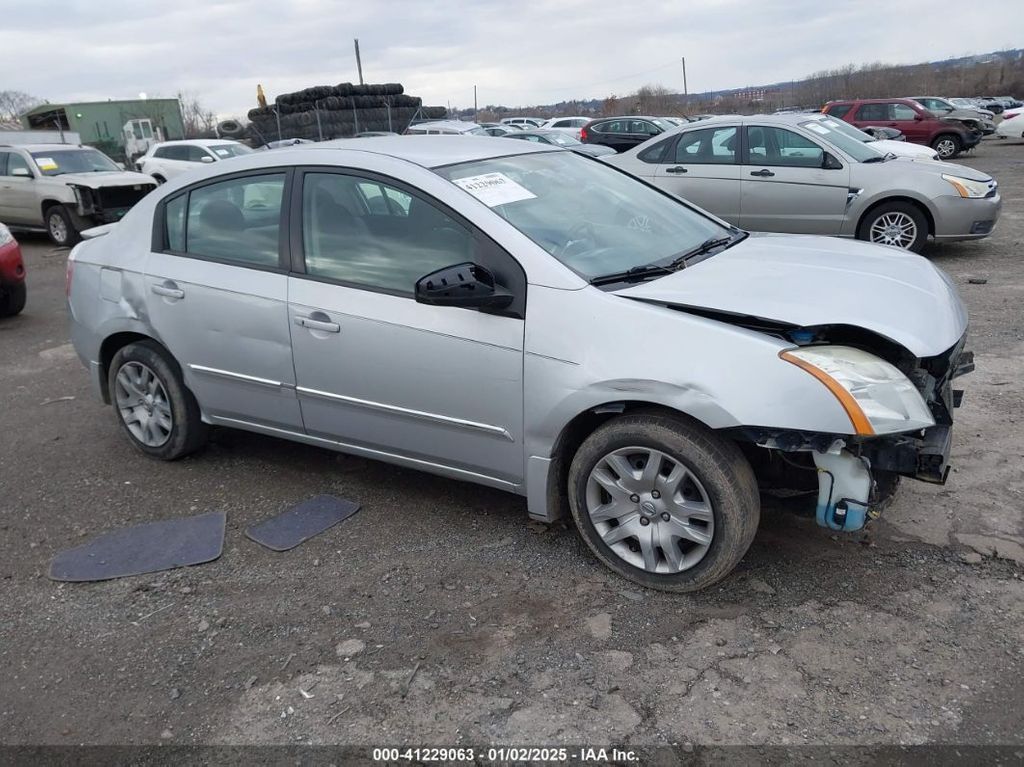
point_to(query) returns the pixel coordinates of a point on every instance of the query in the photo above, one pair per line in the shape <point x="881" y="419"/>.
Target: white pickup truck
<point x="64" y="189"/>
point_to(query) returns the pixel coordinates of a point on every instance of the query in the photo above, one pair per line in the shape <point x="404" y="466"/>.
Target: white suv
<point x="166" y="160"/>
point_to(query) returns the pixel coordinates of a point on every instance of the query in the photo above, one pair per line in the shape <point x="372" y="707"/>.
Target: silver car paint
<point x="801" y="200"/>
<point x="457" y="392"/>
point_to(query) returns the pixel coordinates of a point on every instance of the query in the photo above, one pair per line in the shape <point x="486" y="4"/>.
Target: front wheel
<point x="60" y="227"/>
<point x="897" y="224"/>
<point x="947" y="146"/>
<point x="154" y="409"/>
<point x="663" y="501"/>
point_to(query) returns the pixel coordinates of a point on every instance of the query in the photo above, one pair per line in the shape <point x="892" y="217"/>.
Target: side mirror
<point x="918" y="118"/>
<point x="468" y="285"/>
<point x="206" y="158"/>
<point x="830" y="162"/>
<point x="21" y="172"/>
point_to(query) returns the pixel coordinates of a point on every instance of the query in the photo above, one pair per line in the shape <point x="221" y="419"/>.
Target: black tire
<point x="895" y="207"/>
<point x="12" y="299"/>
<point x="718" y="464"/>
<point x="188" y="432"/>
<point x="70" y="234"/>
<point x="947" y="145"/>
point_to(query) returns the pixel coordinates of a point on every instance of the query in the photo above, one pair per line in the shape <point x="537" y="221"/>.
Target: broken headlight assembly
<point x="965" y="187"/>
<point x="876" y="396"/>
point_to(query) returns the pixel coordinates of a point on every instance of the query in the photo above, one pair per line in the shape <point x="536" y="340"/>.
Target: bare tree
<point x="199" y="121"/>
<point x="654" y="100"/>
<point x="14" y="103"/>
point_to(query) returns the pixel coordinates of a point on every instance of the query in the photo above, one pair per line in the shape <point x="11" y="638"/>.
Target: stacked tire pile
<point x="344" y="110"/>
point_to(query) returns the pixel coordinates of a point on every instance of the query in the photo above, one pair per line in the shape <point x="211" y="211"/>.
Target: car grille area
<point x="117" y="200"/>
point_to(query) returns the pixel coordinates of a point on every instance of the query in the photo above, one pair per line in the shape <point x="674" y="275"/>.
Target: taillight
<point x="583" y="134"/>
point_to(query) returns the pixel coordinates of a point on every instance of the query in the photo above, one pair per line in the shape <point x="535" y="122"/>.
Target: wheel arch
<point x="48" y="203"/>
<point x="555" y="505"/>
<point x="929" y="216"/>
<point x="113" y="343"/>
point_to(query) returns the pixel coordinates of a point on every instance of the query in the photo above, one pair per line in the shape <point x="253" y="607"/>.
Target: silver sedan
<point x="521" y="317"/>
<point x="795" y="173"/>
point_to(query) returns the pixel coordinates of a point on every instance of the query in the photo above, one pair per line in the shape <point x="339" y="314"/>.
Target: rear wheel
<point x="12" y="299"/>
<point x="158" y="414"/>
<point x="60" y="227"/>
<point x="897" y="224"/>
<point x="947" y="146"/>
<point x="663" y="502"/>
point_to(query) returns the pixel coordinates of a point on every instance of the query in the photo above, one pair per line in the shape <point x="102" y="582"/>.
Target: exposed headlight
<point x="967" y="188"/>
<point x="876" y="396"/>
<point x="5" y="236"/>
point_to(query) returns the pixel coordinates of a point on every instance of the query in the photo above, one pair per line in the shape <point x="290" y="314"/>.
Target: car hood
<point x="903" y="149"/>
<point x="100" y="180"/>
<point x="937" y="167"/>
<point x="805" y="281"/>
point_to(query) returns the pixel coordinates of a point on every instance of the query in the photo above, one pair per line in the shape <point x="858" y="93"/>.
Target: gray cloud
<point x="516" y="53"/>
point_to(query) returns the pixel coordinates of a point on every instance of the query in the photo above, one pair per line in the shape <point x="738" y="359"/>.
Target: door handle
<point x="763" y="173"/>
<point x="168" y="291"/>
<point x="676" y="169"/>
<point x="313" y="324"/>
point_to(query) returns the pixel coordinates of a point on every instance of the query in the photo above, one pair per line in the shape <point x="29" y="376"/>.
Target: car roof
<point x="198" y="142"/>
<point x="44" y="147"/>
<point x="427" y="151"/>
<point x="451" y="124"/>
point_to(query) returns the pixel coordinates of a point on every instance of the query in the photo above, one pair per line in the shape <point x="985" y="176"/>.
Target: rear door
<point x="703" y="168"/>
<point x="216" y="293"/>
<point x="784" y="187"/>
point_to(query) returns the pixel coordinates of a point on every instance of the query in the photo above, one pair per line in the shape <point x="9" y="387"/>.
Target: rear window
<point x="839" y="110"/>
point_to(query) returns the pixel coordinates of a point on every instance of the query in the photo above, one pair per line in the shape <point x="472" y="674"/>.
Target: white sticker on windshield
<point x="818" y="129"/>
<point x="223" y="152"/>
<point x="493" y="189"/>
<point x="46" y="163"/>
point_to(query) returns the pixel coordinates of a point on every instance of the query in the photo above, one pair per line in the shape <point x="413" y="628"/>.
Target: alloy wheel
<point x="58" y="228"/>
<point x="946" y="148"/>
<point x="143" y="404"/>
<point x="894" y="228"/>
<point x="650" y="510"/>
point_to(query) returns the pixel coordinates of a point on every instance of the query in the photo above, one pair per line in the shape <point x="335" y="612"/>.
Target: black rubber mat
<point x="146" y="548"/>
<point x="300" y="523"/>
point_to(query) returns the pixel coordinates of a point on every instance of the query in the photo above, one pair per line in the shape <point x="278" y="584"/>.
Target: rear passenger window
<point x="237" y="220"/>
<point x="174" y="216"/>
<point x="711" y="146"/>
<point x="368" y="233"/>
<point x="873" y="112"/>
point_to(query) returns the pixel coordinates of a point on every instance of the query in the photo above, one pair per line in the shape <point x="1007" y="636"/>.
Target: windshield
<point x="59" y="161"/>
<point x="594" y="219"/>
<point x="844" y="127"/>
<point x="853" y="146"/>
<point x="224" y="151"/>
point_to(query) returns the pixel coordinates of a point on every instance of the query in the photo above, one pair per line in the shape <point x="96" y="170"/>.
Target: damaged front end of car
<point x="901" y="410"/>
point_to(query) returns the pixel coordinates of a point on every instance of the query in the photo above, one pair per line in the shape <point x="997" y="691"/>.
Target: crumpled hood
<point x="805" y="280"/>
<point x="99" y="180"/>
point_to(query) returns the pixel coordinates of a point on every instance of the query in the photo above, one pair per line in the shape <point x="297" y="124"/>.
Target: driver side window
<point x="370" y="234"/>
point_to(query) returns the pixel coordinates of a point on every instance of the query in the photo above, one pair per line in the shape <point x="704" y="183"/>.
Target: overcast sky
<point x="518" y="52"/>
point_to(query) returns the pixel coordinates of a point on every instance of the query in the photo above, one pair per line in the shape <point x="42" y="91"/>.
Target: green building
<point x="102" y="123"/>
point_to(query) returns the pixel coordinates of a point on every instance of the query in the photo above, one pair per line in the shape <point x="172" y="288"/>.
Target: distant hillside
<point x="999" y="73"/>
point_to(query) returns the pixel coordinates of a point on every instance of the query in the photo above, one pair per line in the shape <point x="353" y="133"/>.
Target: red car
<point x="948" y="137"/>
<point x="12" y="275"/>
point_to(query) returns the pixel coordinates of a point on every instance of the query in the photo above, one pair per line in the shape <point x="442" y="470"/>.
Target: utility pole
<point x="686" y="92"/>
<point x="474" y="102"/>
<point x="359" y="62"/>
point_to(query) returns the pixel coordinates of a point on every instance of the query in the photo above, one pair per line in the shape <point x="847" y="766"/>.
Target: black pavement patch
<point x="300" y="523"/>
<point x="146" y="548"/>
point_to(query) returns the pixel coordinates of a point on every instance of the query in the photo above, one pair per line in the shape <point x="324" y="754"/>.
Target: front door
<point x="702" y="168"/>
<point x="437" y="387"/>
<point x="784" y="186"/>
<point x="217" y="299"/>
<point x="19" y="201"/>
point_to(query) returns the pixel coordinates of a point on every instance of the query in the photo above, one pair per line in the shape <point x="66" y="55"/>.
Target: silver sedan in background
<point x="798" y="174"/>
<point x="518" y="316"/>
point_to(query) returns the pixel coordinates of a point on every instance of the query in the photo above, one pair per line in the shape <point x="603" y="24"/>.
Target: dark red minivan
<point x="948" y="137"/>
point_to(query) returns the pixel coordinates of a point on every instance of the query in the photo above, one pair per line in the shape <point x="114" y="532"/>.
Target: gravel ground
<point x="439" y="615"/>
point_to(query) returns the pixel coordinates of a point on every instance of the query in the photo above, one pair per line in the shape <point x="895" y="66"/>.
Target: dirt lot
<point x="437" y="614"/>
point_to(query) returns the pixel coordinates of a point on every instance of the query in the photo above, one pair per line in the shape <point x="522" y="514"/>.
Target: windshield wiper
<point x="705" y="247"/>
<point x="633" y="274"/>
